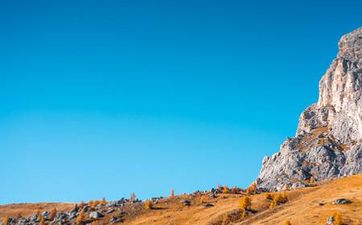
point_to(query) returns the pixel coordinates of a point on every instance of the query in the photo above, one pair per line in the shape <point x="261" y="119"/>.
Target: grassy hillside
<point x="304" y="206"/>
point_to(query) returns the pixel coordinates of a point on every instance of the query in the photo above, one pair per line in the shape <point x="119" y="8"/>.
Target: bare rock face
<point x="328" y="141"/>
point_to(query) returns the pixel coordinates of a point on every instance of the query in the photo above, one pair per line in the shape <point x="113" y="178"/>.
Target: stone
<point x="208" y="205"/>
<point x="330" y="220"/>
<point x="342" y="201"/>
<point x="95" y="215"/>
<point x="115" y="219"/>
<point x="328" y="141"/>
<point x="186" y="202"/>
<point x="45" y="214"/>
<point x="109" y="211"/>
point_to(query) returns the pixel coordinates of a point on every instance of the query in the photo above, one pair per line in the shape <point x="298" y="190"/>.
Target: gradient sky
<point x="105" y="98"/>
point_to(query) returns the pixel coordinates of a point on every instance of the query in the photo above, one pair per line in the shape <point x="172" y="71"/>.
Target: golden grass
<point x="305" y="206"/>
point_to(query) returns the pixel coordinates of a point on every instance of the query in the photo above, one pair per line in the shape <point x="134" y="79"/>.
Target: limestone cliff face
<point x="328" y="142"/>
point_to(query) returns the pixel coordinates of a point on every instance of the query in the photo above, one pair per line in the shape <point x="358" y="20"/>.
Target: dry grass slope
<point x="305" y="206"/>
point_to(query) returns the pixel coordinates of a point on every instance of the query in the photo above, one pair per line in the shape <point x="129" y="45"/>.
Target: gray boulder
<point x="95" y="215"/>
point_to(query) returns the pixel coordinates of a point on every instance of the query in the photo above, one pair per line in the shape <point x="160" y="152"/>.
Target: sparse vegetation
<point x="172" y="194"/>
<point x="6" y="220"/>
<point x="148" y="204"/>
<point x="52" y="214"/>
<point x="337" y="219"/>
<point x="226" y="219"/>
<point x="287" y="222"/>
<point x="42" y="220"/>
<point x="80" y="218"/>
<point x="251" y="189"/>
<point x="278" y="198"/>
<point x="104" y="201"/>
<point x="245" y="205"/>
<point x="312" y="180"/>
<point x="268" y="196"/>
<point x="225" y="190"/>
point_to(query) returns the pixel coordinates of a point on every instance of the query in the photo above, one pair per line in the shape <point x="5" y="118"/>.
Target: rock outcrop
<point x="328" y="142"/>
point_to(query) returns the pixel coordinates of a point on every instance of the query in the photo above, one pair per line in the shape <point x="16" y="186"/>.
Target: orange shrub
<point x="104" y="201"/>
<point x="225" y="190"/>
<point x="245" y="203"/>
<point x="337" y="219"/>
<point x="6" y="220"/>
<point x="42" y="220"/>
<point x="80" y="218"/>
<point x="279" y="198"/>
<point x="287" y="222"/>
<point x="53" y="214"/>
<point x="148" y="204"/>
<point x="251" y="189"/>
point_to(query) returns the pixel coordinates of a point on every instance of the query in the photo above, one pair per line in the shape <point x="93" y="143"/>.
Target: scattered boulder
<point x="45" y="214"/>
<point x="342" y="201"/>
<point x="95" y="215"/>
<point x="109" y="211"/>
<point x="330" y="220"/>
<point x="208" y="205"/>
<point x="186" y="202"/>
<point x="115" y="219"/>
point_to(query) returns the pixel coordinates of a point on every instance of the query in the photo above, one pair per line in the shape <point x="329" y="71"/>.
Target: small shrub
<point x="94" y="203"/>
<point x="337" y="219"/>
<point x="104" y="201"/>
<point x="6" y="220"/>
<point x="148" y="204"/>
<point x="251" y="189"/>
<point x="226" y="219"/>
<point x="245" y="203"/>
<point x="287" y="222"/>
<point x="80" y="218"/>
<point x="52" y="214"/>
<point x="81" y="205"/>
<point x="95" y="222"/>
<point x="226" y="190"/>
<point x="278" y="198"/>
<point x="172" y="193"/>
<point x="269" y="196"/>
<point x="235" y="190"/>
<point x="312" y="180"/>
<point x="42" y="220"/>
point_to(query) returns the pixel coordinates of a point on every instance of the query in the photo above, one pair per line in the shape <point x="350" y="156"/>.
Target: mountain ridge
<point x="328" y="141"/>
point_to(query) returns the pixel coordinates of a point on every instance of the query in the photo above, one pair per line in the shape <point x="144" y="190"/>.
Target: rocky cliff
<point x="328" y="142"/>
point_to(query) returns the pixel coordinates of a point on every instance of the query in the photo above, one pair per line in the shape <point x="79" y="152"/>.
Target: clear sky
<point x="105" y="98"/>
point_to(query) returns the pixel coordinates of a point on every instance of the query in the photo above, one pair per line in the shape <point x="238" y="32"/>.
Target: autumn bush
<point x="226" y="219"/>
<point x="225" y="190"/>
<point x="268" y="196"/>
<point x="104" y="201"/>
<point x="148" y="204"/>
<point x="278" y="198"/>
<point x="53" y="214"/>
<point x="42" y="220"/>
<point x="251" y="189"/>
<point x="245" y="205"/>
<point x="287" y="222"/>
<point x="80" y="218"/>
<point x="6" y="220"/>
<point x="337" y="219"/>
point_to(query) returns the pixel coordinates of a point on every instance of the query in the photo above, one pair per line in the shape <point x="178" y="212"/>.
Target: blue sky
<point x="105" y="98"/>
